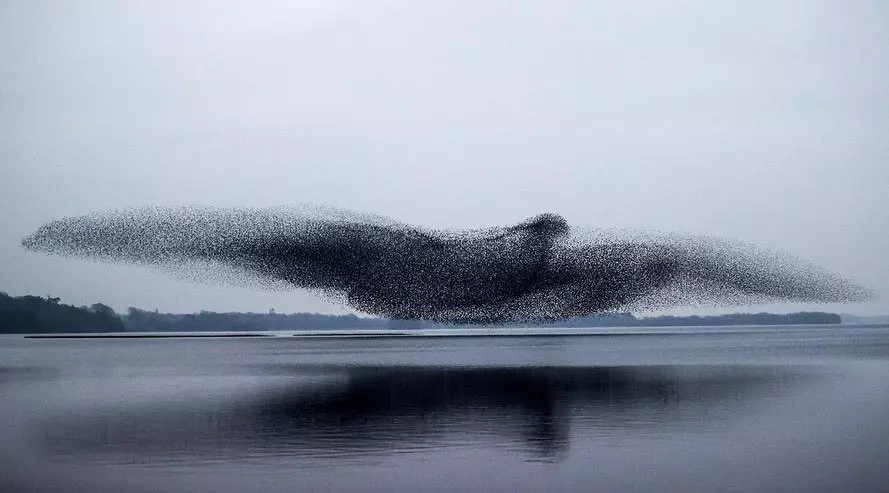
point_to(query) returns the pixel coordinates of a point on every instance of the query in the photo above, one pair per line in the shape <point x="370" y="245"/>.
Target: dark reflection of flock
<point x="375" y="411"/>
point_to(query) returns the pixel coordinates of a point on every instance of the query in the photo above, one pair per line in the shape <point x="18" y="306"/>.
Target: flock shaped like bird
<point x="539" y="270"/>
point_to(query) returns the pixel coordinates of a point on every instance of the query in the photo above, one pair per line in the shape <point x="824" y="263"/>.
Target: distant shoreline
<point x="48" y="316"/>
<point x="465" y="333"/>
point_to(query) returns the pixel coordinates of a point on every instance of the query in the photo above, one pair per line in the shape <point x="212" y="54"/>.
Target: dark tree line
<point x="799" y="318"/>
<point x="33" y="314"/>
<point x="630" y="320"/>
<point x="137" y="320"/>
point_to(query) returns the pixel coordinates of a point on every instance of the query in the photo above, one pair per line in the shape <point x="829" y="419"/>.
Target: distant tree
<point x="102" y="309"/>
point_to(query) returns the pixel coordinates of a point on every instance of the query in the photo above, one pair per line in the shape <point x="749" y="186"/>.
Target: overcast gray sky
<point x="765" y="121"/>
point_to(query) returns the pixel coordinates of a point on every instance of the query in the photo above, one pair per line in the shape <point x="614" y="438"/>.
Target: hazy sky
<point x="766" y="121"/>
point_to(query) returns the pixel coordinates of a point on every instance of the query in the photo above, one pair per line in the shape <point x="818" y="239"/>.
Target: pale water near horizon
<point x="772" y="409"/>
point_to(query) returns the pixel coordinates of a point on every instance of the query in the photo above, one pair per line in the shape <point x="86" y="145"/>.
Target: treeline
<point x="35" y="315"/>
<point x="137" y="320"/>
<point x="146" y="321"/>
<point x="799" y="318"/>
<point x="864" y="319"/>
<point x="630" y="320"/>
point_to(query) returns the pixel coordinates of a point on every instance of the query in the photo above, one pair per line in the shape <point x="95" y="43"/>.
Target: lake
<point x="680" y="409"/>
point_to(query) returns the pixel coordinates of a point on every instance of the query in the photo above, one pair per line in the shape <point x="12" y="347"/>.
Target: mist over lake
<point x="647" y="409"/>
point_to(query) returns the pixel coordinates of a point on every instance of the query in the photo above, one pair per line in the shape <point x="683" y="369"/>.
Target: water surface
<point x="765" y="409"/>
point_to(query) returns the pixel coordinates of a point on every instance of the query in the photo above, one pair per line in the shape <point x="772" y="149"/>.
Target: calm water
<point x="805" y="409"/>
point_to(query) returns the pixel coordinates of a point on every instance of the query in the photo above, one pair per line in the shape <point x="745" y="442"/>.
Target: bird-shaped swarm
<point x="536" y="271"/>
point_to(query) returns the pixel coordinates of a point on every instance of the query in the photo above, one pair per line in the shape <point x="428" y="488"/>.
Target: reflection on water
<point x="359" y="412"/>
<point x="801" y="410"/>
